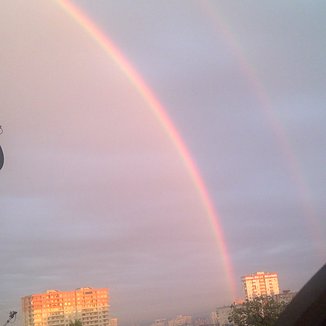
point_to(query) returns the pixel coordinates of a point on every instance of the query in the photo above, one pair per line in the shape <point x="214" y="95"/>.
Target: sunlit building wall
<point x="260" y="284"/>
<point x="59" y="308"/>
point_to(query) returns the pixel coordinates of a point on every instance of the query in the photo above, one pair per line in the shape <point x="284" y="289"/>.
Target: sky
<point x="94" y="190"/>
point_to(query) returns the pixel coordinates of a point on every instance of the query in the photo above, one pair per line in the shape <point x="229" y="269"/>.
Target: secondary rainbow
<point x="265" y="104"/>
<point x="158" y="110"/>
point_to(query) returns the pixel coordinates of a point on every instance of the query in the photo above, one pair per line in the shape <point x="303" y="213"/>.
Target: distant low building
<point x="221" y="315"/>
<point x="113" y="322"/>
<point x="160" y="322"/>
<point x="181" y="321"/>
<point x="213" y="318"/>
<point x="285" y="296"/>
<point x="202" y="321"/>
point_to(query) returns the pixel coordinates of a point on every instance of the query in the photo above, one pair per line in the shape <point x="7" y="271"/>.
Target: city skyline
<point x="51" y="302"/>
<point x="160" y="148"/>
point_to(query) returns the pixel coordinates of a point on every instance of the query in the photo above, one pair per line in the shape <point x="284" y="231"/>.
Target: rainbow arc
<point x="171" y="131"/>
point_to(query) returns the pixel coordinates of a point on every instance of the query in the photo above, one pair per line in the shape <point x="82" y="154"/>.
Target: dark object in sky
<point x="308" y="307"/>
<point x="2" y="158"/>
<point x="12" y="315"/>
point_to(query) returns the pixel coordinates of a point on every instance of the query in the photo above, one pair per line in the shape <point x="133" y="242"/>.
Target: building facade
<point x="285" y="296"/>
<point x="181" y="321"/>
<point x="220" y="317"/>
<point x="113" y="322"/>
<point x="59" y="308"/>
<point x="160" y="322"/>
<point x="260" y="284"/>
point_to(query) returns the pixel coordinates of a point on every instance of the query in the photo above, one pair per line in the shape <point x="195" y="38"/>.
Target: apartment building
<point x="59" y="308"/>
<point x="260" y="284"/>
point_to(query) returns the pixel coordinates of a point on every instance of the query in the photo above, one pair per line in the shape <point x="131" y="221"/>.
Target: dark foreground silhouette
<point x="308" y="307"/>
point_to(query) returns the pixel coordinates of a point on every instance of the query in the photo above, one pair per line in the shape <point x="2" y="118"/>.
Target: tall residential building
<point x="58" y="308"/>
<point x="260" y="284"/>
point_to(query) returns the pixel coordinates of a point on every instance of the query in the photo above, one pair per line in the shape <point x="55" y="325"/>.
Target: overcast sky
<point x="93" y="191"/>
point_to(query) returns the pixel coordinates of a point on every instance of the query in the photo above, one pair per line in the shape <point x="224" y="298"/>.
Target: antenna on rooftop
<point x="12" y="315"/>
<point x="2" y="158"/>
